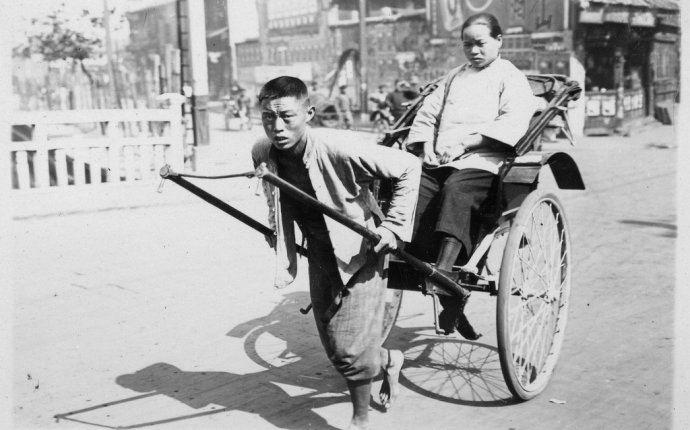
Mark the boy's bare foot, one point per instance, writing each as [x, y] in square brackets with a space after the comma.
[390, 388]
[358, 425]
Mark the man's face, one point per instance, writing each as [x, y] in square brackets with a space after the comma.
[285, 120]
[480, 48]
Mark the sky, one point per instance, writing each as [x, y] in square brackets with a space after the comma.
[243, 19]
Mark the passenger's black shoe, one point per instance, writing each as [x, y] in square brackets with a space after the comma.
[465, 328]
[447, 320]
[453, 317]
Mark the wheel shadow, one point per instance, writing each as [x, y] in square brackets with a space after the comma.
[450, 369]
[447, 369]
[297, 378]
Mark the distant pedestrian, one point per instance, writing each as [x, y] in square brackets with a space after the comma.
[380, 115]
[244, 107]
[399, 99]
[317, 89]
[344, 105]
[415, 85]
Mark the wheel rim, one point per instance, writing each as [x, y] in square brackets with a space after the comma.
[538, 299]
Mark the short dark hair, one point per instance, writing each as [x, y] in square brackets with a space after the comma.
[485, 19]
[283, 86]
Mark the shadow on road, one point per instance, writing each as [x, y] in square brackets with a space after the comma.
[443, 368]
[669, 229]
[450, 369]
[257, 393]
[298, 379]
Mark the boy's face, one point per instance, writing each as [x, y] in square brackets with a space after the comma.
[285, 120]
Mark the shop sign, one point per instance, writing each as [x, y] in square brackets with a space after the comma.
[600, 105]
[593, 107]
[589, 16]
[617, 16]
[665, 37]
[447, 16]
[552, 41]
[608, 106]
[642, 19]
[633, 100]
[671, 19]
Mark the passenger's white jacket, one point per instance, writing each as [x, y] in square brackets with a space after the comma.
[341, 173]
[496, 102]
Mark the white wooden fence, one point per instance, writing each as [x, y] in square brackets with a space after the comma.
[94, 148]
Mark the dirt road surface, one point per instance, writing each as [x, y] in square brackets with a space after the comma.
[164, 316]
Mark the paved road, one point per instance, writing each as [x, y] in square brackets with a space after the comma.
[165, 315]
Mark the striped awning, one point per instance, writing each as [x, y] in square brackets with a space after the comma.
[651, 4]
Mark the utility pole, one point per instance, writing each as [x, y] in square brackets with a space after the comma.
[112, 84]
[232, 59]
[363, 57]
[198, 56]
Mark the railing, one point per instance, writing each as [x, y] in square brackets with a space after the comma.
[99, 147]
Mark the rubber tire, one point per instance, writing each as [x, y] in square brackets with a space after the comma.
[553, 335]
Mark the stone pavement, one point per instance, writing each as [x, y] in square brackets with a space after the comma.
[163, 315]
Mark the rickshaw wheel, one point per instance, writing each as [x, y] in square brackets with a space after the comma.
[533, 295]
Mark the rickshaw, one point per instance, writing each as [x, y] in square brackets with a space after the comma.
[522, 253]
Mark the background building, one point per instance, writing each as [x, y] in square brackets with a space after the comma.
[625, 52]
[159, 45]
[631, 52]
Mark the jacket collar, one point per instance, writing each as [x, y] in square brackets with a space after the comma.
[308, 148]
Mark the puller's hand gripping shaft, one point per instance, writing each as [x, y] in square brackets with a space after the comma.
[425, 268]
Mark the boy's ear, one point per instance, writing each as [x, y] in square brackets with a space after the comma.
[311, 111]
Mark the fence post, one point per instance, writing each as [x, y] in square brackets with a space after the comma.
[176, 151]
[40, 139]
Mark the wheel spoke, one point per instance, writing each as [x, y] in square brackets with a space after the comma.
[530, 343]
[531, 330]
[533, 294]
[532, 268]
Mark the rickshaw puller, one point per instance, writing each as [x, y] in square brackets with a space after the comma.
[346, 277]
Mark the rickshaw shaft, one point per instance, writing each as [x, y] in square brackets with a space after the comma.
[425, 268]
[167, 173]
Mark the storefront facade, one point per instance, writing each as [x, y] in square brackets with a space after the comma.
[630, 50]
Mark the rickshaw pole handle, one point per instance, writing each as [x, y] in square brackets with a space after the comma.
[166, 172]
[425, 268]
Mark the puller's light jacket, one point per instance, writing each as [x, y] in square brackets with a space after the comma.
[341, 173]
